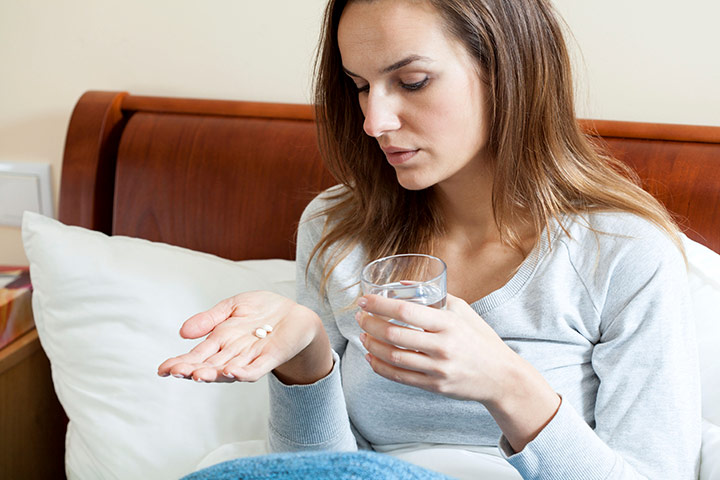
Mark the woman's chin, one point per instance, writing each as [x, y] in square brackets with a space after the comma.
[413, 182]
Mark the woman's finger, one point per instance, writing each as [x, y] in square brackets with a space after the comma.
[413, 314]
[391, 333]
[203, 323]
[399, 375]
[218, 372]
[197, 355]
[210, 374]
[184, 369]
[213, 351]
[399, 357]
[236, 366]
[164, 368]
[231, 350]
[260, 365]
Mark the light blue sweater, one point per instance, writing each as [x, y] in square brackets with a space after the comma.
[605, 317]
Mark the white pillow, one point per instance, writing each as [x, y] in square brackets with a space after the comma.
[108, 311]
[704, 278]
[710, 462]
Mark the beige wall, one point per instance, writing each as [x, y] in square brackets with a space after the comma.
[647, 60]
[644, 60]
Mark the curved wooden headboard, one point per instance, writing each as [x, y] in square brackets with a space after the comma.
[228, 178]
[231, 178]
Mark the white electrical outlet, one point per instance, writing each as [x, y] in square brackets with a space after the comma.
[24, 186]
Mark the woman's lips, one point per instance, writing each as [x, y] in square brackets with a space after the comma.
[399, 156]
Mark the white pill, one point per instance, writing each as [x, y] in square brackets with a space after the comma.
[267, 328]
[260, 333]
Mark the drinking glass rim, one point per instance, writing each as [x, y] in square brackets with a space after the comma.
[366, 267]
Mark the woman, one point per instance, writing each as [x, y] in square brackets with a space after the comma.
[450, 125]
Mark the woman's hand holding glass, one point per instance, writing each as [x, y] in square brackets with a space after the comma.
[444, 346]
[296, 348]
[455, 354]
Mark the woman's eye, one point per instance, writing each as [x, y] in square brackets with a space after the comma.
[363, 88]
[416, 85]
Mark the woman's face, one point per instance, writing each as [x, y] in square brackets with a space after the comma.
[419, 89]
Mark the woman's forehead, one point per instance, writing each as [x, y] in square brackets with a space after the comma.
[386, 19]
[382, 32]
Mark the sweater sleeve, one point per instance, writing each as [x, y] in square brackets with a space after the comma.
[647, 407]
[311, 417]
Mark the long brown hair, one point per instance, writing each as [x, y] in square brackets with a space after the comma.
[544, 165]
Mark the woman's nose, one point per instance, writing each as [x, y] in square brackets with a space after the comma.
[381, 115]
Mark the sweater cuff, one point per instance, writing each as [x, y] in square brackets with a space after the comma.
[303, 416]
[566, 448]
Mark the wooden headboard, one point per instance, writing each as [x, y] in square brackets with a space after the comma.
[228, 178]
[232, 178]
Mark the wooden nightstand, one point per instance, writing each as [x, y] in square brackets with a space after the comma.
[15, 305]
[32, 434]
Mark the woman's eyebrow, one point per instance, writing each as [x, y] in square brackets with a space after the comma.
[395, 66]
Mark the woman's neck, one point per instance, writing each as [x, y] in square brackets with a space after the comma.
[468, 216]
[465, 202]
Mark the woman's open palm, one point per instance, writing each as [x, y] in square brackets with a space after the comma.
[231, 350]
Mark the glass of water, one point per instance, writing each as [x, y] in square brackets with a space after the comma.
[414, 277]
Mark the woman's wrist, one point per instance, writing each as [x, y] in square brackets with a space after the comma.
[525, 404]
[312, 363]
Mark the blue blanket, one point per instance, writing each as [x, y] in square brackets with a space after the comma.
[363, 465]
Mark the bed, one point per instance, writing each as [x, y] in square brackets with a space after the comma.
[230, 179]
